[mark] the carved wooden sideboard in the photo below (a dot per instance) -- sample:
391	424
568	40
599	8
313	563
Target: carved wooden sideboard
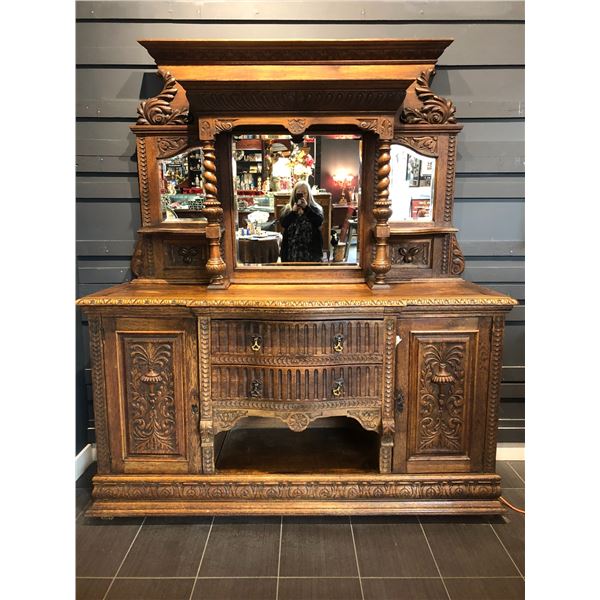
383	374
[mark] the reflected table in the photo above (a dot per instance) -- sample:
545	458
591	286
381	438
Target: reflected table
259	249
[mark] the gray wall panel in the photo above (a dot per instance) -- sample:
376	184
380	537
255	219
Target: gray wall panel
349	10
107	220
482	72
483	44
476	92
502	219
489	147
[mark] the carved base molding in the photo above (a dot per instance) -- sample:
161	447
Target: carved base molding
129	495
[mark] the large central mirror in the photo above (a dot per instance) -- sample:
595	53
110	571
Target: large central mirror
297	200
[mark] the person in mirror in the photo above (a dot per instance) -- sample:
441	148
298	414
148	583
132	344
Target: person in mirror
301	220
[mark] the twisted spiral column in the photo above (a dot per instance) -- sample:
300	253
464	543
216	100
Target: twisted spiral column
213	213
382	212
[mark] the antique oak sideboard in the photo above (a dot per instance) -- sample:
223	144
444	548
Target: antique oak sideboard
356	385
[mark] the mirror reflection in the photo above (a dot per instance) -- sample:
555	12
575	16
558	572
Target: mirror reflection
181	191
412	176
297	201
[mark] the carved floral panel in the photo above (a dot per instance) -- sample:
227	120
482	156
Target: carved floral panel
150	396
442	395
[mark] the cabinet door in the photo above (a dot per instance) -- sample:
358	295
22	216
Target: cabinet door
442	374
152	403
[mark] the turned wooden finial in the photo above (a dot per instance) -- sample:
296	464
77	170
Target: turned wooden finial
213	212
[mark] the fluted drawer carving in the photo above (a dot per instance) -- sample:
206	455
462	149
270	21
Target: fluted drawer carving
296	342
301	384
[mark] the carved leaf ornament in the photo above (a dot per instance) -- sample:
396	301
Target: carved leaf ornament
151	402
158	110
441	399
435	110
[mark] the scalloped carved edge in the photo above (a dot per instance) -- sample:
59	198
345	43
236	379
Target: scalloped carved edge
434	110
99	394
489	460
450	169
206	408
289	489
158	110
233	303
144	181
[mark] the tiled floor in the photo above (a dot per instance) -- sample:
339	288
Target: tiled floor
293	558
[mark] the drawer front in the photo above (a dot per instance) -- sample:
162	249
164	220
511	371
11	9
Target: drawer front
292	384
341	340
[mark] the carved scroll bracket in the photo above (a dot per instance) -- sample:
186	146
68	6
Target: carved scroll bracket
382	126
458	260
425	144
160	110
210	128
423	107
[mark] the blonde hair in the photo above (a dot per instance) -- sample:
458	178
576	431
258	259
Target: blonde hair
302	184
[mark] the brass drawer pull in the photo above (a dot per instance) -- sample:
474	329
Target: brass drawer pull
338	387
338	342
256	344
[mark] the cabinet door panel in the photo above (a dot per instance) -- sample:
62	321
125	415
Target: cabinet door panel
152	395
442	373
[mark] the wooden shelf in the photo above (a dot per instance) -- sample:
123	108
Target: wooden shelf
413	228
194	228
345	449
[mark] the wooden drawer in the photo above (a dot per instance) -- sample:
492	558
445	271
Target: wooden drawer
235	341
297	384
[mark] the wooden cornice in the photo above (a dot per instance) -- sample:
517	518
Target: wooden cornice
295	52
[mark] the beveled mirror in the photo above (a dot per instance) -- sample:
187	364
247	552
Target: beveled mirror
181	188
412	177
296	201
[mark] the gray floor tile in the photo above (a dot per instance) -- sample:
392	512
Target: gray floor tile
232	589
404	589
167	547
511	528
151	589
392	547
91	589
242	547
319	589
101	545
317	547
466	547
509	478
486	589
519	467
83	497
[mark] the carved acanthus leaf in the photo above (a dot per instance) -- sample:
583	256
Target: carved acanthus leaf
169	146
158	110
434	110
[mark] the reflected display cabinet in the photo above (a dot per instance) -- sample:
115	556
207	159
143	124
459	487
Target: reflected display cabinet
297	337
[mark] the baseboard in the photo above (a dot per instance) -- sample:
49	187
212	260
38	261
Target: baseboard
504	451
84	459
510	451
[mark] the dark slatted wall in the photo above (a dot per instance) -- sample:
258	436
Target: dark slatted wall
482	72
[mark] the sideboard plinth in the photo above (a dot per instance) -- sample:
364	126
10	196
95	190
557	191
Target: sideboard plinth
295	495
